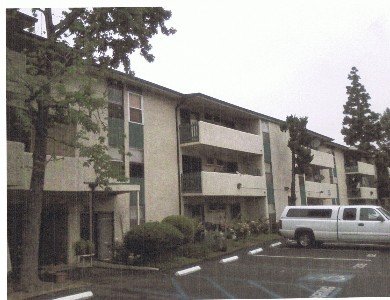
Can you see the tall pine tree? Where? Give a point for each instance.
(299, 144)
(361, 127)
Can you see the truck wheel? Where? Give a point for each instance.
(305, 239)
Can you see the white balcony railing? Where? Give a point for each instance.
(320, 190)
(219, 136)
(322, 159)
(361, 168)
(223, 184)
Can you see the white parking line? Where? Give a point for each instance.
(85, 295)
(229, 259)
(314, 258)
(359, 266)
(188, 271)
(275, 244)
(323, 292)
(254, 251)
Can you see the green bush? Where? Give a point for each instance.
(121, 254)
(241, 229)
(82, 247)
(259, 226)
(185, 225)
(153, 238)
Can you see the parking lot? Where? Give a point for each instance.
(278, 271)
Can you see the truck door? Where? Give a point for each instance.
(370, 229)
(348, 224)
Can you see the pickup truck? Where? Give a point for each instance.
(313, 225)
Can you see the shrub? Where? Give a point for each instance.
(241, 229)
(121, 254)
(259, 226)
(199, 231)
(216, 241)
(185, 225)
(82, 247)
(153, 238)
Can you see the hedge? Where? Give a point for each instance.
(153, 238)
(185, 225)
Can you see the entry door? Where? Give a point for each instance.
(370, 229)
(105, 231)
(348, 224)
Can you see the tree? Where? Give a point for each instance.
(84, 44)
(361, 127)
(299, 144)
(382, 157)
(365, 130)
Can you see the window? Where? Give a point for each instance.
(309, 213)
(115, 116)
(385, 212)
(136, 170)
(349, 214)
(368, 214)
(135, 110)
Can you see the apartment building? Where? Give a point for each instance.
(191, 154)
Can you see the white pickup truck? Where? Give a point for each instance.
(309, 225)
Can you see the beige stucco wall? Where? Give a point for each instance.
(281, 168)
(160, 154)
(341, 177)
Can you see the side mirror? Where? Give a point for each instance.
(380, 218)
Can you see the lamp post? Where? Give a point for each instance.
(92, 186)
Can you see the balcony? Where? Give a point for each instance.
(363, 193)
(203, 135)
(320, 190)
(322, 159)
(223, 184)
(360, 168)
(67, 174)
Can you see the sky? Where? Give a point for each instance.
(274, 57)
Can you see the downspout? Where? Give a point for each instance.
(178, 152)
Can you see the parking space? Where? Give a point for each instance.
(281, 271)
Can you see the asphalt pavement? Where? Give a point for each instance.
(278, 271)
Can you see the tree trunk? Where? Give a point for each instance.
(31, 226)
(293, 198)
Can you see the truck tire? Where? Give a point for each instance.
(305, 239)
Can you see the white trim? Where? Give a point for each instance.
(142, 107)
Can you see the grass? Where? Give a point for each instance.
(176, 260)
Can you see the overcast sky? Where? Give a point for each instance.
(275, 57)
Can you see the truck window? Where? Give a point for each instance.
(349, 214)
(309, 213)
(368, 214)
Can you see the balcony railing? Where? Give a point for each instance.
(355, 193)
(207, 135)
(223, 184)
(189, 133)
(363, 193)
(360, 168)
(191, 182)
